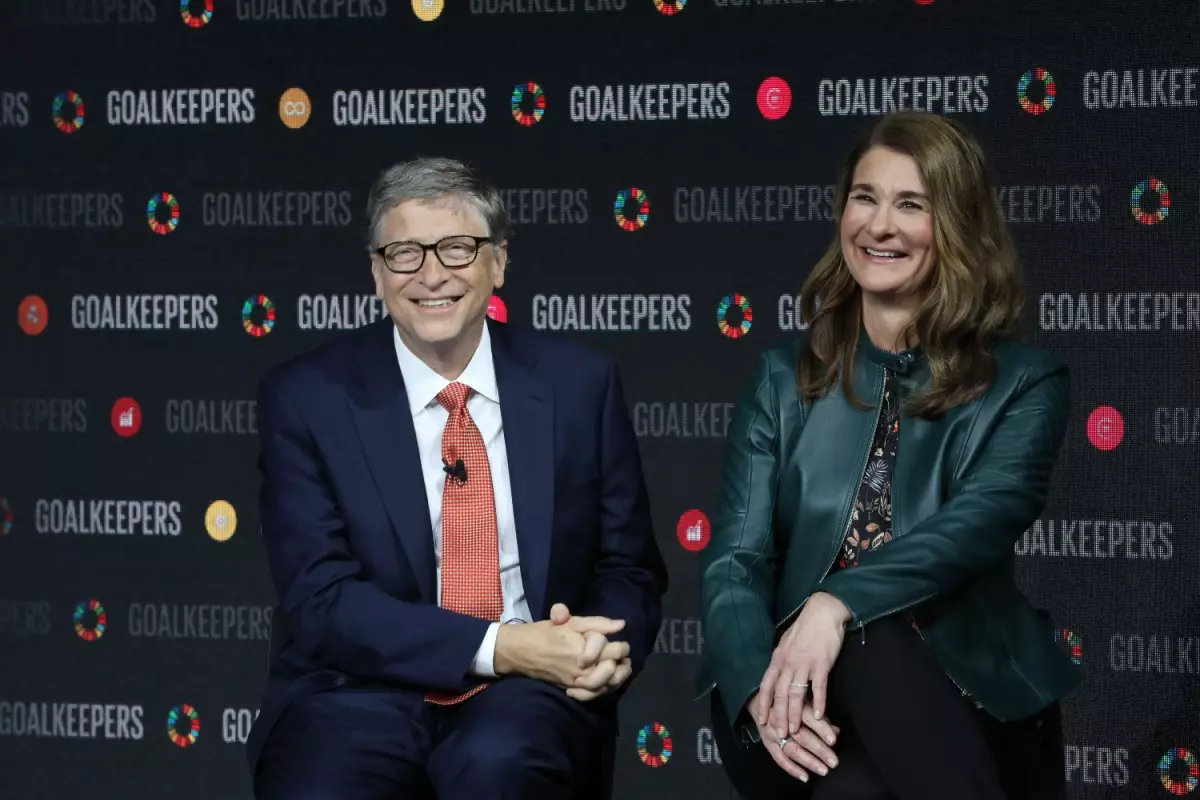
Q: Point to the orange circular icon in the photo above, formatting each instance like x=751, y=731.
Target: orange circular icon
x=428, y=10
x=32, y=315
x=295, y=108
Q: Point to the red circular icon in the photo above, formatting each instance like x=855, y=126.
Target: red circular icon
x=693, y=530
x=774, y=98
x=497, y=310
x=126, y=417
x=1105, y=428
x=32, y=315
x=923, y=2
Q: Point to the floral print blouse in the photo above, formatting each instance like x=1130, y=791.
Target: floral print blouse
x=871, y=517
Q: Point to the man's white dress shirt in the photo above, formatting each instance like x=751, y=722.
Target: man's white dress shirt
x=429, y=419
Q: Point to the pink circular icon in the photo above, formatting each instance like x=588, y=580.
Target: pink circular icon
x=693, y=530
x=497, y=310
x=1105, y=428
x=126, y=417
x=774, y=98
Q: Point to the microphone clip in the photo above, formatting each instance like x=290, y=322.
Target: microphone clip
x=457, y=470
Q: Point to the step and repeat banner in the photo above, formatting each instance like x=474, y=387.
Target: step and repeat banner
x=182, y=206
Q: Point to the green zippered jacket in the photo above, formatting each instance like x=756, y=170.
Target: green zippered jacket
x=966, y=486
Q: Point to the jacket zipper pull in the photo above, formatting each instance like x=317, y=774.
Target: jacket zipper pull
x=863, y=631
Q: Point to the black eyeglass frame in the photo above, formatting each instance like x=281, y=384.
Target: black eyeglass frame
x=480, y=241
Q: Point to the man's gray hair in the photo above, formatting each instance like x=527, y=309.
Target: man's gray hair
x=435, y=179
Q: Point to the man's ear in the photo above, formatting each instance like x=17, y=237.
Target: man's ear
x=377, y=275
x=500, y=268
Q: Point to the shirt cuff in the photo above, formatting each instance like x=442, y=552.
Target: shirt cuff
x=482, y=664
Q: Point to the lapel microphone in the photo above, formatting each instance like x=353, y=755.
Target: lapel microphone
x=458, y=470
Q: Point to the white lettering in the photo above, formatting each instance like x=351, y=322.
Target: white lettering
x=236, y=724
x=180, y=106
x=371, y=107
x=1141, y=88
x=650, y=102
x=1087, y=538
x=277, y=209
x=14, y=109
x=1178, y=426
x=940, y=94
x=706, y=747
x=736, y=204
x=108, y=517
x=682, y=420
x=149, y=312
x=71, y=720
x=1106, y=766
x=304, y=10
x=1120, y=311
x=318, y=312
x=612, y=312
x=190, y=621
x=238, y=417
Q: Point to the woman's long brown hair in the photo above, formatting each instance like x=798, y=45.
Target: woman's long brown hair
x=974, y=296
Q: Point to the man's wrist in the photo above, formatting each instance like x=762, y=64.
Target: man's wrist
x=502, y=657
x=485, y=657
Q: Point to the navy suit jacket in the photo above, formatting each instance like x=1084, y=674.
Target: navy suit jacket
x=346, y=526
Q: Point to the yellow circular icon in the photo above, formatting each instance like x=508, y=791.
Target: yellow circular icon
x=295, y=108
x=220, y=520
x=428, y=10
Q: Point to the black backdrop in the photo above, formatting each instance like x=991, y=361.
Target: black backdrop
x=262, y=124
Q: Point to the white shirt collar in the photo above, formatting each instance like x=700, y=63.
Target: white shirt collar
x=422, y=384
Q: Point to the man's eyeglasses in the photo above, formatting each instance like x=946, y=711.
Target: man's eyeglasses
x=455, y=252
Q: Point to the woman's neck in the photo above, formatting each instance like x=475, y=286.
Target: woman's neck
x=886, y=323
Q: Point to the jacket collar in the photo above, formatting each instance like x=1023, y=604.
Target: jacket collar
x=903, y=362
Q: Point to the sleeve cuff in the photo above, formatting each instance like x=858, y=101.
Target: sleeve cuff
x=482, y=664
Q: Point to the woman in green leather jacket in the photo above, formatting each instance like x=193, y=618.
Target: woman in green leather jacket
x=864, y=635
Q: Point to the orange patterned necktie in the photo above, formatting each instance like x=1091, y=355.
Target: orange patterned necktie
x=470, y=537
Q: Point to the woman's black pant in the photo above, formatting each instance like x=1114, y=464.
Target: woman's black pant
x=907, y=734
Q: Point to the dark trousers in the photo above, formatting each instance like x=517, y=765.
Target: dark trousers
x=907, y=734
x=519, y=738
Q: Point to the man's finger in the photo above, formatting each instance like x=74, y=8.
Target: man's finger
x=584, y=695
x=598, y=676
x=621, y=673
x=593, y=646
x=559, y=614
x=614, y=651
x=601, y=624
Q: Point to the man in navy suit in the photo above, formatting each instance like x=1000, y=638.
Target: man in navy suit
x=458, y=531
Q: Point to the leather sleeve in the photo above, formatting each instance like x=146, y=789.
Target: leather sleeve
x=999, y=496
x=737, y=569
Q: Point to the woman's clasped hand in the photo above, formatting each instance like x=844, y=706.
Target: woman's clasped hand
x=789, y=708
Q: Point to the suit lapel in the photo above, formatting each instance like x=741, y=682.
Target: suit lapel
x=385, y=428
x=527, y=413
